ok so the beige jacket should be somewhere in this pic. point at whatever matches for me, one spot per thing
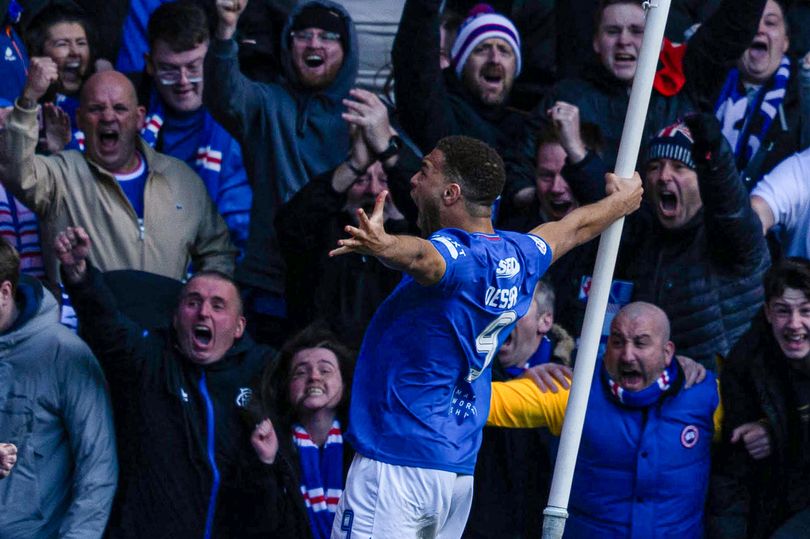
(181, 223)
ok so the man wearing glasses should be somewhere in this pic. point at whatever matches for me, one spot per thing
(290, 131)
(178, 124)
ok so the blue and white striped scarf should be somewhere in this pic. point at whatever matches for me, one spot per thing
(745, 132)
(321, 477)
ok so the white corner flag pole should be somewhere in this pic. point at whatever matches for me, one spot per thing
(557, 510)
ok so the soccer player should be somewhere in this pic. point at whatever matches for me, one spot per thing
(422, 385)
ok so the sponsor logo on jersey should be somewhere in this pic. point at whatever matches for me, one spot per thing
(541, 245)
(9, 57)
(690, 436)
(507, 268)
(453, 247)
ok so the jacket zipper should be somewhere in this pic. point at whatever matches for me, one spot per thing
(209, 414)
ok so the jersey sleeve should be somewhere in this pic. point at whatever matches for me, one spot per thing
(454, 246)
(520, 404)
(544, 250)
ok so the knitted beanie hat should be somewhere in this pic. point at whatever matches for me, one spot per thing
(318, 16)
(673, 142)
(481, 24)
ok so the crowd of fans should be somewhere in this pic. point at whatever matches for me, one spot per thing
(177, 173)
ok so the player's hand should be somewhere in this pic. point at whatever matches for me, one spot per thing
(8, 458)
(756, 438)
(693, 372)
(566, 117)
(228, 13)
(369, 237)
(549, 376)
(72, 248)
(265, 441)
(629, 190)
(42, 72)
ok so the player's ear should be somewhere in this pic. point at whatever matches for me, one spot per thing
(451, 193)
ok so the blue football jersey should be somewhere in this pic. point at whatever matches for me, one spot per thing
(421, 389)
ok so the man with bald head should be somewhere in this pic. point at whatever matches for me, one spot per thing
(145, 210)
(643, 463)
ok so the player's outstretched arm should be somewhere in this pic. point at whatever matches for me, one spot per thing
(587, 222)
(415, 256)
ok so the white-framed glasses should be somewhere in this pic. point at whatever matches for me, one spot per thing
(173, 75)
(305, 36)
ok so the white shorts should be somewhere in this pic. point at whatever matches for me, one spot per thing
(385, 501)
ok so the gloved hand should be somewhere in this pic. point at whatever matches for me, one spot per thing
(709, 141)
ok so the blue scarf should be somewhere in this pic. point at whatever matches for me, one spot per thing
(322, 477)
(744, 130)
(647, 396)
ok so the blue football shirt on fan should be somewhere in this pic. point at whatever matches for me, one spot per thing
(421, 389)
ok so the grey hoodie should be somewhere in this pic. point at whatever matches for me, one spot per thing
(54, 407)
(288, 135)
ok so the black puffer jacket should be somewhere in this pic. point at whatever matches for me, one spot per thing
(707, 274)
(175, 422)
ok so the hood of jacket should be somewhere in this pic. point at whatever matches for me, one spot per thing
(344, 81)
(38, 311)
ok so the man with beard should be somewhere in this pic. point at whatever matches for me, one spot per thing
(180, 393)
(470, 96)
(148, 211)
(646, 441)
(422, 383)
(761, 487)
(345, 291)
(289, 131)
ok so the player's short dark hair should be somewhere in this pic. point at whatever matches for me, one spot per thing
(793, 272)
(9, 264)
(58, 12)
(182, 25)
(216, 274)
(604, 4)
(475, 166)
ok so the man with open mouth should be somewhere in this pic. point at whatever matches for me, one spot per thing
(697, 250)
(695, 76)
(470, 97)
(647, 437)
(149, 211)
(766, 390)
(290, 131)
(180, 393)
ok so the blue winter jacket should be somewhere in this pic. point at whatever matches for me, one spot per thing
(643, 473)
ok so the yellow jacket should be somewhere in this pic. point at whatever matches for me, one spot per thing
(520, 404)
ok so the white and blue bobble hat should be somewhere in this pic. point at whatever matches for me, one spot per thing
(481, 24)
